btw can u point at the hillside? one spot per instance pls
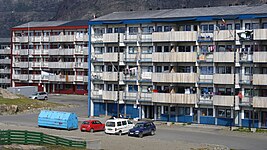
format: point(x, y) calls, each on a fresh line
point(16, 12)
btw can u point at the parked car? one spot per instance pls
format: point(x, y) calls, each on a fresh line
point(143, 128)
point(92, 125)
point(39, 96)
point(118, 126)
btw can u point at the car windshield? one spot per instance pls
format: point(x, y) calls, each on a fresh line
point(85, 122)
point(139, 125)
point(35, 94)
point(110, 124)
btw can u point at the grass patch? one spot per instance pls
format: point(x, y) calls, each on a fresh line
point(241, 129)
point(28, 104)
point(261, 130)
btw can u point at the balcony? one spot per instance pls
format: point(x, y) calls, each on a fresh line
point(144, 37)
point(244, 79)
point(223, 100)
point(61, 78)
point(146, 58)
point(25, 77)
point(62, 38)
point(5, 80)
point(5, 71)
point(110, 76)
point(174, 36)
point(130, 57)
point(223, 79)
point(146, 76)
point(174, 77)
point(85, 79)
point(97, 58)
point(111, 38)
point(21, 64)
point(22, 39)
point(97, 94)
point(205, 37)
point(133, 96)
point(5, 51)
point(110, 95)
point(83, 65)
point(174, 57)
point(97, 76)
point(36, 64)
point(5, 61)
point(260, 102)
point(205, 99)
point(97, 38)
point(260, 57)
point(224, 35)
point(61, 64)
point(260, 34)
point(259, 79)
point(81, 51)
point(223, 57)
point(243, 57)
point(174, 98)
point(208, 79)
point(205, 57)
point(81, 37)
point(61, 52)
point(110, 57)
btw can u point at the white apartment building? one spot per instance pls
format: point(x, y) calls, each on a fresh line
point(5, 63)
point(197, 65)
point(51, 55)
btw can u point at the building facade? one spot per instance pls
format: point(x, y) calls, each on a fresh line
point(200, 65)
point(5, 63)
point(51, 55)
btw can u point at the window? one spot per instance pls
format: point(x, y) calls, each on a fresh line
point(124, 123)
point(184, 49)
point(237, 26)
point(229, 27)
point(166, 49)
point(109, 68)
point(264, 25)
point(248, 92)
point(99, 31)
point(248, 114)
point(119, 30)
point(206, 111)
point(184, 111)
point(147, 30)
point(247, 26)
point(133, 30)
point(184, 69)
point(132, 49)
point(207, 28)
point(109, 50)
point(147, 49)
point(248, 70)
point(146, 88)
point(109, 30)
point(118, 124)
point(159, 29)
point(159, 49)
point(129, 122)
point(224, 91)
point(223, 70)
point(132, 88)
point(109, 87)
point(206, 70)
point(99, 50)
point(158, 69)
point(167, 28)
point(223, 113)
point(255, 26)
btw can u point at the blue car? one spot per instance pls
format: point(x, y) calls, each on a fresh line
point(142, 128)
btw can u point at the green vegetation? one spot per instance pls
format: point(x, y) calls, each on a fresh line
point(261, 130)
point(28, 104)
point(56, 147)
point(241, 129)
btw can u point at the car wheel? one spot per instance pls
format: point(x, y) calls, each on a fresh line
point(140, 135)
point(35, 98)
point(120, 133)
point(92, 130)
point(45, 98)
point(152, 132)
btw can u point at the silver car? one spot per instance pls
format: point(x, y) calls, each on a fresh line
point(39, 96)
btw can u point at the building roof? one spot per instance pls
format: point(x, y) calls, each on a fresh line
point(185, 12)
point(52, 24)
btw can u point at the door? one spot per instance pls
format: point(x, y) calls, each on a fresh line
point(264, 119)
point(195, 115)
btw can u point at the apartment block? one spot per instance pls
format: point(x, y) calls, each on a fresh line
point(51, 55)
point(192, 65)
point(5, 63)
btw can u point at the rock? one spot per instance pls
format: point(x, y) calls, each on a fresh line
point(4, 109)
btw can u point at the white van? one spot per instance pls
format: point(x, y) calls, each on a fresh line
point(118, 126)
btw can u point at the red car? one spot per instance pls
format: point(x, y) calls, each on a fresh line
point(92, 125)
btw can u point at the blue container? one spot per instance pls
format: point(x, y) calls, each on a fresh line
point(56, 119)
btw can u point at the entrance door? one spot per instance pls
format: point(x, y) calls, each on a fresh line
point(195, 115)
point(264, 119)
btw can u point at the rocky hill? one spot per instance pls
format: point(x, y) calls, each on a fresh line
point(16, 12)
